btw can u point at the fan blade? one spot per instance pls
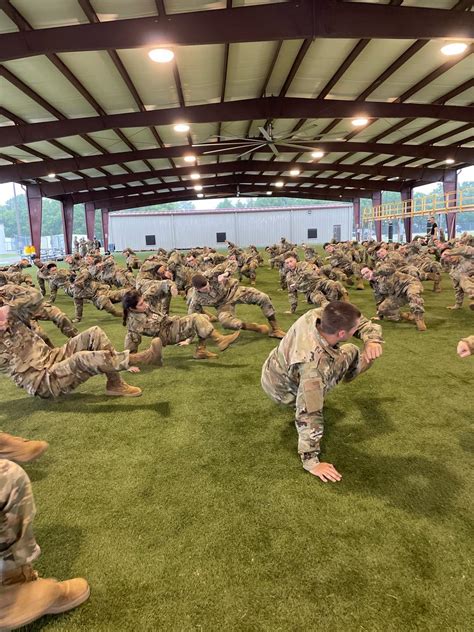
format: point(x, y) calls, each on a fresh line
point(300, 147)
point(232, 149)
point(274, 149)
point(265, 134)
point(253, 150)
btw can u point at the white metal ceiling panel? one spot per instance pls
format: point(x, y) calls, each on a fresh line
point(247, 69)
point(200, 70)
point(42, 15)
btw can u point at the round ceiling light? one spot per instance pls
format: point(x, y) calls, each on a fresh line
point(269, 192)
point(450, 161)
point(200, 195)
point(190, 158)
point(456, 48)
point(198, 187)
point(161, 55)
point(317, 153)
point(279, 184)
point(195, 176)
point(295, 172)
point(360, 121)
point(182, 128)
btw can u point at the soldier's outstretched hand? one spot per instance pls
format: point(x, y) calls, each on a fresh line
point(372, 351)
point(326, 472)
point(463, 349)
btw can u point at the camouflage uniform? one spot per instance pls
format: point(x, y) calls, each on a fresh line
point(47, 372)
point(318, 291)
point(17, 542)
point(393, 289)
point(42, 275)
point(157, 294)
point(462, 274)
point(226, 296)
point(100, 295)
point(304, 368)
point(170, 329)
point(112, 274)
point(344, 262)
point(60, 278)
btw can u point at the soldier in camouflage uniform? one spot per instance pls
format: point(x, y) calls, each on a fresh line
point(308, 363)
point(48, 373)
point(24, 597)
point(344, 261)
point(141, 320)
point(113, 275)
point(303, 277)
point(215, 288)
point(100, 295)
point(131, 259)
point(42, 274)
point(392, 290)
point(461, 260)
point(58, 278)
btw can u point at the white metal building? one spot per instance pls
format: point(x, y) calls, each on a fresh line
point(260, 226)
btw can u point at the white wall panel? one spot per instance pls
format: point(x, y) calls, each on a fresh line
point(186, 230)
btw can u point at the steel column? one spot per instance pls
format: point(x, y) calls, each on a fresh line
point(450, 185)
point(356, 207)
point(90, 219)
point(34, 202)
point(105, 227)
point(377, 201)
point(67, 214)
point(407, 195)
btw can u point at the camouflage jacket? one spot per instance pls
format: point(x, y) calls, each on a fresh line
point(395, 284)
point(147, 323)
point(303, 278)
point(465, 264)
point(220, 293)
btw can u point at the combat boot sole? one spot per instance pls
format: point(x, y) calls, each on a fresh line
point(73, 593)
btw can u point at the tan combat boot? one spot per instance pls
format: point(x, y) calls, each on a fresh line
point(25, 598)
point(202, 353)
point(153, 355)
point(437, 285)
point(420, 323)
point(276, 331)
point(116, 387)
point(20, 450)
point(360, 285)
point(260, 329)
point(224, 341)
point(407, 316)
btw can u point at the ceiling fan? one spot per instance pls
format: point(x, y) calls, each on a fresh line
point(266, 140)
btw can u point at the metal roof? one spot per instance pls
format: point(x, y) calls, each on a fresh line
point(81, 99)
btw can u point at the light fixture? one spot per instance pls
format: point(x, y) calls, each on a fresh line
point(279, 184)
point(198, 187)
point(53, 175)
point(182, 128)
point(317, 153)
point(195, 176)
point(161, 55)
point(450, 161)
point(456, 48)
point(200, 195)
point(295, 172)
point(360, 121)
point(190, 158)
point(269, 192)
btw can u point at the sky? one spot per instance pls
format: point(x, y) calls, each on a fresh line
point(6, 190)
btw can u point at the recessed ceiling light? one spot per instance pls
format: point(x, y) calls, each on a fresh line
point(317, 154)
point(269, 192)
point(200, 195)
point(360, 121)
point(190, 158)
point(53, 175)
point(198, 187)
point(456, 48)
point(161, 55)
point(279, 184)
point(195, 176)
point(295, 172)
point(181, 127)
point(450, 161)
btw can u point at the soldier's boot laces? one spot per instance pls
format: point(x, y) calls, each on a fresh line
point(260, 329)
point(420, 324)
point(224, 341)
point(24, 597)
point(20, 450)
point(153, 355)
point(116, 387)
point(276, 331)
point(202, 353)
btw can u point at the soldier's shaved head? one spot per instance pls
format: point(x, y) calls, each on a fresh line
point(339, 316)
point(199, 281)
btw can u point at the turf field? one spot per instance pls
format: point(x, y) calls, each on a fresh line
point(187, 509)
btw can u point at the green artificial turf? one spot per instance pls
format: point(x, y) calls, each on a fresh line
point(187, 509)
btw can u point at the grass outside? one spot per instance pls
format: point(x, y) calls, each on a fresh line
point(187, 509)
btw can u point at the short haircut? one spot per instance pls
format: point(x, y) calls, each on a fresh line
point(291, 255)
point(339, 315)
point(51, 265)
point(199, 281)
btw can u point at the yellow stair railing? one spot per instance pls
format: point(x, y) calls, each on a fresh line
point(460, 201)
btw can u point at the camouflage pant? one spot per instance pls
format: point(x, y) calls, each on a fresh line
point(335, 274)
point(83, 356)
point(249, 270)
point(390, 307)
point(321, 292)
point(244, 296)
point(17, 542)
point(102, 301)
point(42, 285)
point(307, 395)
point(174, 329)
point(59, 318)
point(463, 284)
